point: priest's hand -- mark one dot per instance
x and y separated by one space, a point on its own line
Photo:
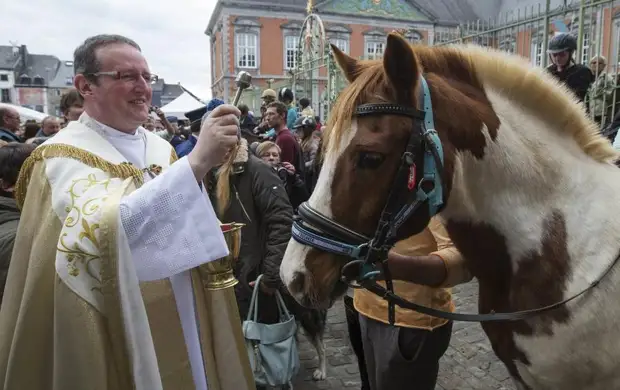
218 135
264 288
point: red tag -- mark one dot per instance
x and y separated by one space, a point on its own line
411 180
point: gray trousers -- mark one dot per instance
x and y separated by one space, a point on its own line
400 358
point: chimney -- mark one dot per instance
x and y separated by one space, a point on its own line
23 53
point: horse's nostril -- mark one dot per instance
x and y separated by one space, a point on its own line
297 284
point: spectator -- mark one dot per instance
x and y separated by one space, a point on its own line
601 92
244 189
306 109
286 96
305 128
577 77
296 190
196 116
71 105
9 124
290 150
246 122
12 157
49 126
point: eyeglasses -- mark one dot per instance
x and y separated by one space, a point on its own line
128 76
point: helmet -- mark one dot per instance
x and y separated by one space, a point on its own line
285 94
304 121
562 42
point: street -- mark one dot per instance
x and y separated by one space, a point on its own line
469 362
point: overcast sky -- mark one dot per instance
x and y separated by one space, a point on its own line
171 34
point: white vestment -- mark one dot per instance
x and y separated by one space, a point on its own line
171 227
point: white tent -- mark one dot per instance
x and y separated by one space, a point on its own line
25 113
182 104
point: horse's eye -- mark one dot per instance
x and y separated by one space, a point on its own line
370 160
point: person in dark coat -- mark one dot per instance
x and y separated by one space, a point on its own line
246 190
577 77
12 157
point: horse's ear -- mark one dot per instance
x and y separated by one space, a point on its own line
401 66
347 64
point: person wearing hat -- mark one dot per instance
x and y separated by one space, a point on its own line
268 96
577 77
196 117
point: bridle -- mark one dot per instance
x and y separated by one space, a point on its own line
423 153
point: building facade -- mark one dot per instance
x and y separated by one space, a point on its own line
262 36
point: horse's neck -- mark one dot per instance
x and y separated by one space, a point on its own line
541 195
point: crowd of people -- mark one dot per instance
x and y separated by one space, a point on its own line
109 127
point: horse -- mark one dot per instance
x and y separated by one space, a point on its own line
529 196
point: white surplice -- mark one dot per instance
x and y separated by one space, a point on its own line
171 227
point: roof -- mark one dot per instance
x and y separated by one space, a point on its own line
172 90
42 65
452 11
442 11
64 75
8 60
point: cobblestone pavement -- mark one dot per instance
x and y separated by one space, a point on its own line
469 362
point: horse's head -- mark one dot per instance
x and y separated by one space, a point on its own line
362 154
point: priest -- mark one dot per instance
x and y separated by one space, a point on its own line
99 293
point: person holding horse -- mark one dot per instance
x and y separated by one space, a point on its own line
427 264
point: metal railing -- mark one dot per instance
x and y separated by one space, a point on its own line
526 32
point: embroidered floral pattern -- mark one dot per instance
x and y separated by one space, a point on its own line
85 248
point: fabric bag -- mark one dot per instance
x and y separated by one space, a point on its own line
272 348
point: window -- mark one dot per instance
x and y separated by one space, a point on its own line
374 49
69 80
341 43
585 49
290 51
413 37
6 95
536 54
4 77
246 45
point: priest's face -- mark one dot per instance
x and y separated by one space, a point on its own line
122 94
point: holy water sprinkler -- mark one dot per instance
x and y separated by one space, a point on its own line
243 81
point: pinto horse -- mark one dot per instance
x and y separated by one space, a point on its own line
530 197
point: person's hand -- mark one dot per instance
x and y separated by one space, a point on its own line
159 112
218 135
265 289
289 167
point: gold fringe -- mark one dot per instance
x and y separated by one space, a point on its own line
173 156
121 171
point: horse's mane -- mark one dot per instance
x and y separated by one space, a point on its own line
532 88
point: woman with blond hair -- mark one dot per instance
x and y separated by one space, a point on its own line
296 189
246 190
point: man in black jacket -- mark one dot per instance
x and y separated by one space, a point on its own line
250 192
